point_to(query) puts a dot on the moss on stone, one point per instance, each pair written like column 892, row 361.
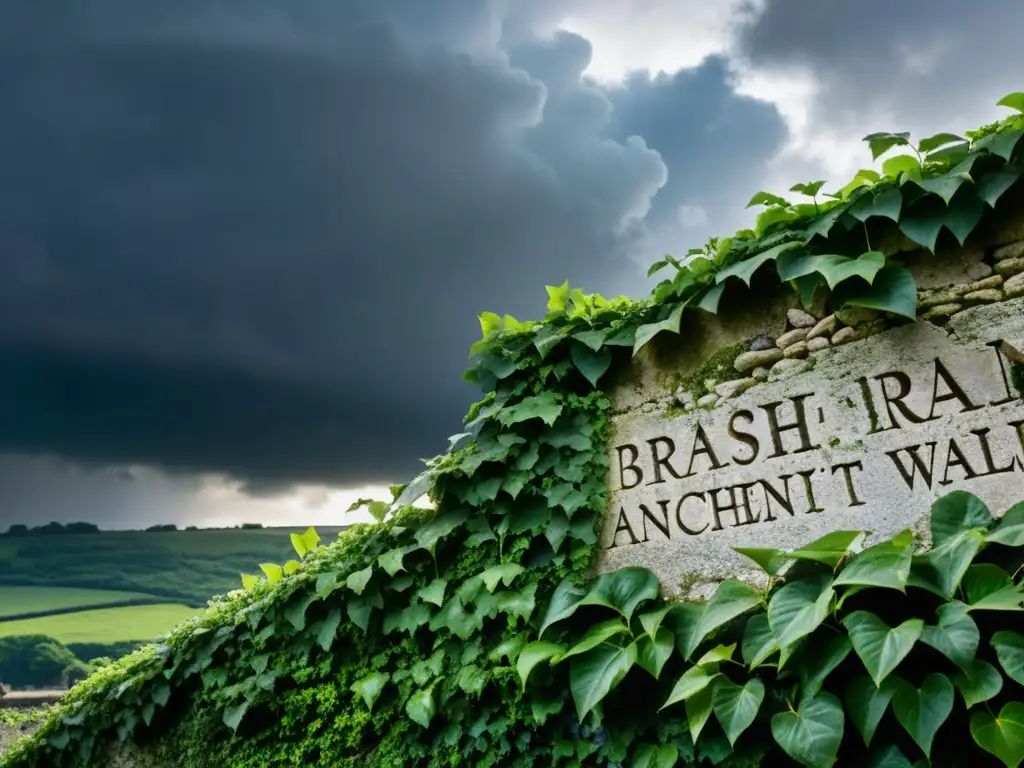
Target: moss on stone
column 720, row 365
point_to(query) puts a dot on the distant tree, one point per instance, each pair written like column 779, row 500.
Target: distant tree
column 252, row 526
column 191, row 528
column 17, row 530
column 166, row 528
column 49, row 528
column 37, row 661
column 82, row 528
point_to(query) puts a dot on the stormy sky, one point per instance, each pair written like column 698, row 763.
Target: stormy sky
column 243, row 243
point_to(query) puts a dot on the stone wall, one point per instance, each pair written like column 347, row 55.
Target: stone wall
column 701, row 410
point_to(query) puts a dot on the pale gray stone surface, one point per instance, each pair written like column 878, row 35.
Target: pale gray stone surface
column 800, row 319
column 826, row 326
column 750, row 360
column 844, row 335
column 884, row 493
column 1014, row 286
column 797, row 350
column 791, row 338
column 818, row 343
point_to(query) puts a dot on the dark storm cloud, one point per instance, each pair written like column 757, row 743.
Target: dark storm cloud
column 930, row 64
column 254, row 236
column 697, row 123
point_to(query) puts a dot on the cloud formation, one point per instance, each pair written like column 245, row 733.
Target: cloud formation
column 252, row 237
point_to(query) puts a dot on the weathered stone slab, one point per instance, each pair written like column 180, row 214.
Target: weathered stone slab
column 866, row 439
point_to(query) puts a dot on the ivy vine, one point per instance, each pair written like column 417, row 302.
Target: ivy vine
column 469, row 633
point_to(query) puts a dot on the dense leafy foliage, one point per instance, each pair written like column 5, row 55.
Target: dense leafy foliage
column 468, row 634
column 37, row 661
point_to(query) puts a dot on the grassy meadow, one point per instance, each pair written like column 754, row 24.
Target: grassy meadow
column 15, row 601
column 149, row 582
column 104, row 625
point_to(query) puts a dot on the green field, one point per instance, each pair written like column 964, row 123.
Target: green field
column 181, row 567
column 15, row 601
column 104, row 625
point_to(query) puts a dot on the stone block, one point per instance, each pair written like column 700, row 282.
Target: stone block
column 748, row 361
column 800, row 319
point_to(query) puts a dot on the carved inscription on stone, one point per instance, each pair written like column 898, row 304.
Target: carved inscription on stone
column 865, row 441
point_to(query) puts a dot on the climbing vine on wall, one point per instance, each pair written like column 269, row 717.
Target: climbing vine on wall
column 468, row 634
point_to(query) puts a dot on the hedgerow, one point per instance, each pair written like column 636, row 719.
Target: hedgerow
column 469, row 633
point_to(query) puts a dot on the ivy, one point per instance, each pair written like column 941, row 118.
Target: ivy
column 467, row 632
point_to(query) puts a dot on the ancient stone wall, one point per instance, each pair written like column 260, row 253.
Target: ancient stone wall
column 772, row 424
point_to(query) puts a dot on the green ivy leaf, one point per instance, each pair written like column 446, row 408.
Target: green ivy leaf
column 799, row 608
column 893, row 290
column 1010, row 530
column 442, row 525
column 295, row 611
column 979, row 682
column 811, row 189
column 731, row 599
column 882, row 142
column 595, row 635
column 866, row 704
column 940, row 570
column 651, row 621
column 982, row 580
column 249, row 581
column 694, row 680
column 1013, row 101
column 370, row 687
column 736, row 706
column 1001, row 736
column 623, row 590
column 1001, row 144
column 768, row 199
column 938, row 140
column 421, row 708
column 647, row 332
column 880, row 647
column 772, row 216
column 391, row 561
column 503, row 573
column 652, row 756
column 544, row 406
column 358, row 580
column 698, row 712
column 744, row 270
column 812, row 734
column 956, row 636
column 820, row 659
column 274, row 572
column 758, row 640
column 955, row 513
column 533, row 654
column 830, row 549
column 834, row 268
column 768, row 559
column 891, row 757
column 593, row 365
column 327, row 629
column 360, row 608
column 564, row 602
column 886, row 564
column 594, row 674
column 1010, row 652
column 822, row 225
column 233, row 714
column 922, row 711
column 993, row 185
column 652, row 655
column 434, row 592
column 887, row 201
